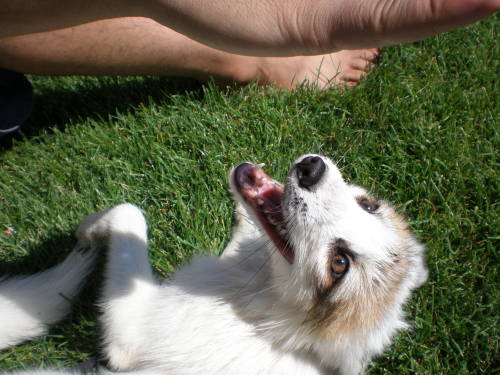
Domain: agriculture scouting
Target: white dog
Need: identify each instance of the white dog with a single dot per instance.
(312, 282)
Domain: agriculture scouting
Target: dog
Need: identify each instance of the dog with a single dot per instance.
(312, 282)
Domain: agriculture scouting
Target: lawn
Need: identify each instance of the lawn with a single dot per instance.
(421, 131)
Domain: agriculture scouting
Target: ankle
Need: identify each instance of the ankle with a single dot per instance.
(237, 68)
(246, 69)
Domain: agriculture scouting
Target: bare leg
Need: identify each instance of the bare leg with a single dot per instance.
(304, 27)
(263, 27)
(128, 46)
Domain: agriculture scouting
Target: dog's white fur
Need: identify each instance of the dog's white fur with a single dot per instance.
(29, 303)
(248, 311)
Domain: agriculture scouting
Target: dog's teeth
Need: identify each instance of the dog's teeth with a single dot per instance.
(261, 165)
(246, 185)
(260, 202)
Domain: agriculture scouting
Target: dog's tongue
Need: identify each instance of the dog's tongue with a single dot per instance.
(264, 196)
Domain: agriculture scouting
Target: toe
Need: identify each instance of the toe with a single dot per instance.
(351, 83)
(362, 65)
(371, 54)
(353, 75)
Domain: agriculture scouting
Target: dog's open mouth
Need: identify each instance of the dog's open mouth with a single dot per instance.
(264, 196)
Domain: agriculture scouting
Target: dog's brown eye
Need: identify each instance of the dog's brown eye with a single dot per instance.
(339, 265)
(368, 205)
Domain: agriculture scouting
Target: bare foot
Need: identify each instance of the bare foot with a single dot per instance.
(343, 68)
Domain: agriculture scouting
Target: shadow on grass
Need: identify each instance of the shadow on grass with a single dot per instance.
(45, 255)
(60, 101)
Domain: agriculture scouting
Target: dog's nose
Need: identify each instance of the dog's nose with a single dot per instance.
(310, 170)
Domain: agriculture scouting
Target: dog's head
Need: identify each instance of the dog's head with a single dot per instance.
(343, 259)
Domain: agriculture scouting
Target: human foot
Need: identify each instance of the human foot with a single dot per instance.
(343, 68)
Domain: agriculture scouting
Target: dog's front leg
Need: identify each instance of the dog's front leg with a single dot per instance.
(129, 285)
(29, 303)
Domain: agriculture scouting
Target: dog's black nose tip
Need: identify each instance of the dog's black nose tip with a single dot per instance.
(310, 170)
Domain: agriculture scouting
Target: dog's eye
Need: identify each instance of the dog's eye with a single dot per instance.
(368, 205)
(339, 265)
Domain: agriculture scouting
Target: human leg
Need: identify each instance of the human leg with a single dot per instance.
(303, 27)
(128, 46)
(263, 27)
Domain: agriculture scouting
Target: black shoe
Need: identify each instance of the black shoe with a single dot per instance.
(16, 100)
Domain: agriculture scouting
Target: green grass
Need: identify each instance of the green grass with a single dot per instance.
(421, 131)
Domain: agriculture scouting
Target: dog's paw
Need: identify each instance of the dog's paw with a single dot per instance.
(93, 230)
(96, 228)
